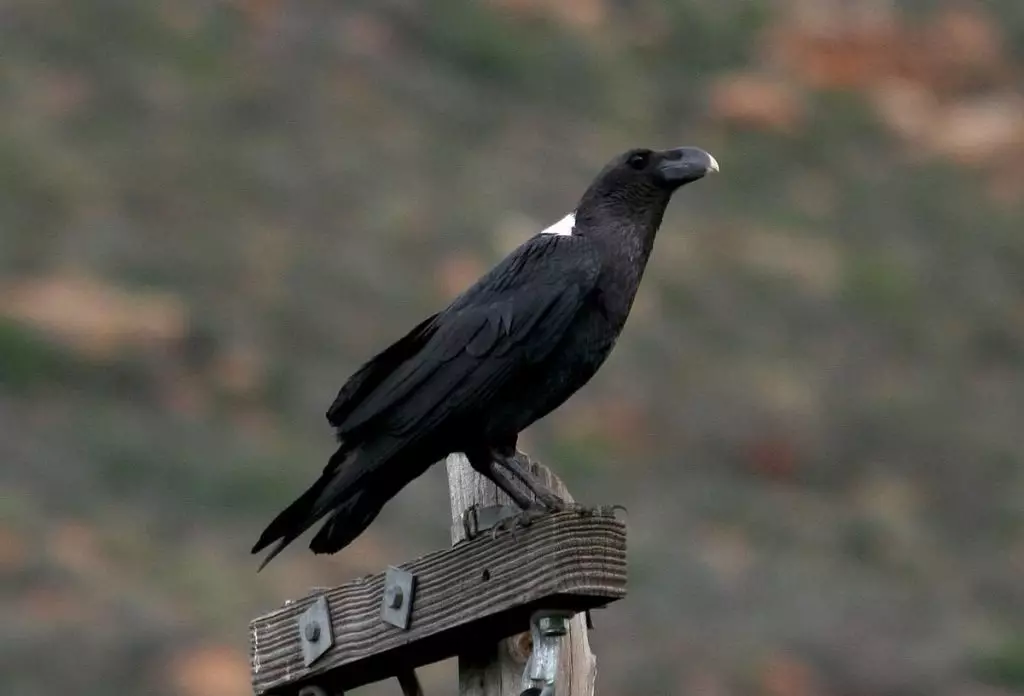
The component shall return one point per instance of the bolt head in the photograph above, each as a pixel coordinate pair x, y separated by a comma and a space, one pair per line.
393, 596
312, 632
553, 626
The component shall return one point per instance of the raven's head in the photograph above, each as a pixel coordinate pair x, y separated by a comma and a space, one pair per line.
636, 186
660, 169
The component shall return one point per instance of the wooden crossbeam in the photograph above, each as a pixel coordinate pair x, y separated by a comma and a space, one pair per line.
480, 591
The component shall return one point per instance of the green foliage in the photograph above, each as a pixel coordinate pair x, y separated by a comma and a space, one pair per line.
302, 175
1003, 666
706, 38
27, 360
181, 463
881, 287
514, 55
575, 456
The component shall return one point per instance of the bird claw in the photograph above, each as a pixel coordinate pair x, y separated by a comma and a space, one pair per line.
595, 510
553, 503
522, 520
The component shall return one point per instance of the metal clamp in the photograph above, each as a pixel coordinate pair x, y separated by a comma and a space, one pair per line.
478, 519
396, 604
314, 690
546, 627
315, 630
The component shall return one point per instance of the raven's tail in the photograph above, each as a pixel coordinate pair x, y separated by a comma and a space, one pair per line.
306, 510
351, 518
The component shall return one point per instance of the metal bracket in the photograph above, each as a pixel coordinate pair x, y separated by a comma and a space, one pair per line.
315, 630
396, 604
314, 690
480, 519
546, 627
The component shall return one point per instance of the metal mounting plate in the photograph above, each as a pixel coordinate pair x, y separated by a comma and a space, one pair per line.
479, 519
396, 604
315, 630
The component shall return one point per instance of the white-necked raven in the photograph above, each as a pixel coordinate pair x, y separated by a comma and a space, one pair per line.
505, 353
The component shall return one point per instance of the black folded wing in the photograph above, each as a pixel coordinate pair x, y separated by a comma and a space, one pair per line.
455, 362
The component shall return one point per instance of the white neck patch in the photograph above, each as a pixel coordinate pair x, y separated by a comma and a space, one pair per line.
563, 227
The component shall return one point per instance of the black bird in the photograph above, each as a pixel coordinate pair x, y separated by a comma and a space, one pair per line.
508, 351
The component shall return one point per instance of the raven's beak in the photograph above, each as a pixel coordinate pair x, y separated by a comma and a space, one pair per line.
685, 164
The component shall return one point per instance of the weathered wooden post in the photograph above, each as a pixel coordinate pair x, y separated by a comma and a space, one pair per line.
497, 669
462, 601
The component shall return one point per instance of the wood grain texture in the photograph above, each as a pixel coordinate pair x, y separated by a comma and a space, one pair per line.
475, 593
496, 669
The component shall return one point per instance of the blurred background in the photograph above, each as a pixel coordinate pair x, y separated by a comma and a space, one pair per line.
212, 212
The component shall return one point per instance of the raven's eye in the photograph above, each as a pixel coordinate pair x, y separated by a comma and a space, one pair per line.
638, 160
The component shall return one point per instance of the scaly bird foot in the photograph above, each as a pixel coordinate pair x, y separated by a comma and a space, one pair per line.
595, 510
522, 520
552, 502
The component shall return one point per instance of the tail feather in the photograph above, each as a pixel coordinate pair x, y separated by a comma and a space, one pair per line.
350, 519
291, 517
350, 490
303, 513
278, 548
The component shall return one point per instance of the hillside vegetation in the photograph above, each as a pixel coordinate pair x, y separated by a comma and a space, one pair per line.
212, 212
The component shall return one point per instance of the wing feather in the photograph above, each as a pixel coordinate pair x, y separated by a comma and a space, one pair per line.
376, 370
510, 321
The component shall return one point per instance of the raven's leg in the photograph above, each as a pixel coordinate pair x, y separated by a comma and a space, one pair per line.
545, 496
513, 464
487, 465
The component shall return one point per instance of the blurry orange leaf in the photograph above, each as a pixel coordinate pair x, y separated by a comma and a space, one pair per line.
756, 101
74, 546
48, 606
211, 671
785, 675
241, 371
458, 272
93, 317
13, 551
772, 457
978, 131
966, 37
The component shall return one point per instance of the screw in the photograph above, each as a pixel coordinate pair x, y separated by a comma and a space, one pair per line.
313, 632
393, 596
553, 625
